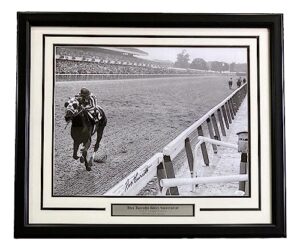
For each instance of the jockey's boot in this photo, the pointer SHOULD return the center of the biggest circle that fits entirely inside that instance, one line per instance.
(97, 117)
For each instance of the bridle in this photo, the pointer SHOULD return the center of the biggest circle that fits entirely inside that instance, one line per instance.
(74, 111)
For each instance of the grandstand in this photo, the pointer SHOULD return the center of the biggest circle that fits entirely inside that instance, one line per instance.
(102, 55)
(96, 63)
(109, 60)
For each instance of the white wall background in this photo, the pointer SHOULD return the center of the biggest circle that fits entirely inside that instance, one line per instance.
(7, 92)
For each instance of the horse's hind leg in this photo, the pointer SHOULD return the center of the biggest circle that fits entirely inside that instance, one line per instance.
(99, 137)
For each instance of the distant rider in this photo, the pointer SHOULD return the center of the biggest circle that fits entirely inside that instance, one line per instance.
(230, 83)
(239, 82)
(89, 102)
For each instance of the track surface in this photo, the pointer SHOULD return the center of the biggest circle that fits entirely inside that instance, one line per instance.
(144, 115)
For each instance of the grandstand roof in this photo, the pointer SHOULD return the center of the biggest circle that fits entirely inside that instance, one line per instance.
(136, 51)
(128, 50)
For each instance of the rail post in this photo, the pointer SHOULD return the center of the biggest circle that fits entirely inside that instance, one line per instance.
(228, 112)
(203, 147)
(221, 122)
(170, 173)
(243, 148)
(211, 134)
(225, 116)
(161, 174)
(215, 125)
(231, 110)
(189, 154)
(235, 103)
(232, 106)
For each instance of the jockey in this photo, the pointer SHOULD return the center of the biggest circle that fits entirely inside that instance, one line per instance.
(88, 101)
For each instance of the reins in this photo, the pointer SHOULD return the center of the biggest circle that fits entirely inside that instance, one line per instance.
(67, 124)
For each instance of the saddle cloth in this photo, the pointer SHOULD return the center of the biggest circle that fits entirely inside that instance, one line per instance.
(92, 111)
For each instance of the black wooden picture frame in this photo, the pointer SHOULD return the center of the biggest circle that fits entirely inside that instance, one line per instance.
(273, 22)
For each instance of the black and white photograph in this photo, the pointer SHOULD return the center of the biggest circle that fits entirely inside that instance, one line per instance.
(151, 121)
(132, 126)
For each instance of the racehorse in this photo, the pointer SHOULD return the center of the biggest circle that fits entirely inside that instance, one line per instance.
(82, 130)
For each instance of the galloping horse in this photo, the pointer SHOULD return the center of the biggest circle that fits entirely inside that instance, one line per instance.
(82, 130)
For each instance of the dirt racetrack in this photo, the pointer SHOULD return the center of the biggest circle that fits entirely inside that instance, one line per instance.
(144, 115)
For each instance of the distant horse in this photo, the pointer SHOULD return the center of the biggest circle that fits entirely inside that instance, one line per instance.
(230, 83)
(239, 82)
(82, 130)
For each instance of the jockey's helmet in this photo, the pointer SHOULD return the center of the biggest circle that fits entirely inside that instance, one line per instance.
(84, 92)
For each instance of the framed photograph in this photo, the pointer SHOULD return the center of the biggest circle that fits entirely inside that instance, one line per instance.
(149, 125)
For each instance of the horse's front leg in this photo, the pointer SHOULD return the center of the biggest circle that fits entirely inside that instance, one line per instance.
(75, 150)
(84, 154)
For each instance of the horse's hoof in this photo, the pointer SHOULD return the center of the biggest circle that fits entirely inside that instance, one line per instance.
(88, 168)
(75, 157)
(82, 159)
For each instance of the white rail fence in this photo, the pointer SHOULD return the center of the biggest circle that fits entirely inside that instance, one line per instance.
(217, 121)
(175, 182)
(195, 180)
(96, 77)
(137, 180)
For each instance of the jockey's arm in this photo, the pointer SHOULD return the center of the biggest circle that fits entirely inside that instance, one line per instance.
(78, 98)
(92, 102)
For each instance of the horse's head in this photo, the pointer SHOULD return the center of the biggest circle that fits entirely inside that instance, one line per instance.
(72, 109)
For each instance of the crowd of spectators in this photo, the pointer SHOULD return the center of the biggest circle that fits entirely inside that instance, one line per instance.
(101, 54)
(80, 61)
(82, 67)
